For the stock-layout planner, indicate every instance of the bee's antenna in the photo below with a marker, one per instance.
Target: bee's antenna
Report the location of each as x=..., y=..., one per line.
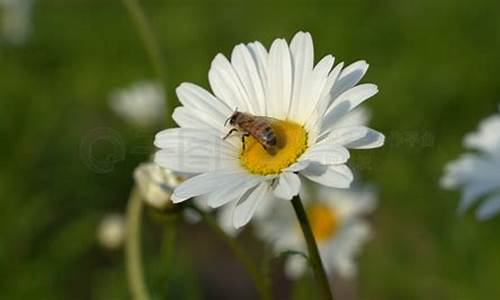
x=229, y=118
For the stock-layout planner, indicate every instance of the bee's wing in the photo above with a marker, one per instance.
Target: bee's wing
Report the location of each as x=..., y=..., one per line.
x=268, y=120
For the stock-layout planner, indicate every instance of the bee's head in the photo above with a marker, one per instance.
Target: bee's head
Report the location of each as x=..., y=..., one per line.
x=232, y=118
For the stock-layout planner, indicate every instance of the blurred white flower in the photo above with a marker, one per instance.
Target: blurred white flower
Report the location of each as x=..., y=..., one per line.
x=156, y=184
x=477, y=173
x=302, y=102
x=111, y=233
x=142, y=103
x=336, y=220
x=15, y=17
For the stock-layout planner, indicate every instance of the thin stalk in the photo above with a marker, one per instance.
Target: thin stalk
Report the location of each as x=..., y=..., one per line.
x=169, y=242
x=261, y=283
x=135, y=274
x=312, y=248
x=149, y=40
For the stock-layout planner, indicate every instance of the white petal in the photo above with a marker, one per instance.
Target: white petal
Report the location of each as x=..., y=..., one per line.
x=357, y=117
x=248, y=204
x=473, y=191
x=314, y=121
x=260, y=56
x=326, y=154
x=234, y=190
x=225, y=219
x=227, y=86
x=280, y=79
x=347, y=102
x=489, y=208
x=187, y=118
x=330, y=81
x=194, y=161
x=486, y=138
x=338, y=176
x=246, y=68
x=193, y=151
x=347, y=245
x=470, y=169
x=204, y=184
x=349, y=77
x=317, y=81
x=199, y=100
x=196, y=119
x=297, y=166
x=189, y=137
x=302, y=52
x=356, y=137
x=288, y=186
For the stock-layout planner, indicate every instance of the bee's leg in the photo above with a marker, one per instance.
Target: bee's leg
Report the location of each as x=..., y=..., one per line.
x=243, y=136
x=229, y=133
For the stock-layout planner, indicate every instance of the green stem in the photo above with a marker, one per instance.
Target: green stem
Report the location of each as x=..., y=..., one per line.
x=312, y=248
x=261, y=283
x=133, y=248
x=149, y=40
x=169, y=242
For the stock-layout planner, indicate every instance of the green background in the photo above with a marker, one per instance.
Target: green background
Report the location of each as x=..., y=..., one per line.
x=435, y=63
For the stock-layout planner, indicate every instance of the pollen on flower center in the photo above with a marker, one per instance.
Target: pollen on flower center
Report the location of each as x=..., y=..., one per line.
x=291, y=143
x=324, y=221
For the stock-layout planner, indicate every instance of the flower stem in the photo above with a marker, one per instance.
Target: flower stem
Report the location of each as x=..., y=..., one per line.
x=261, y=283
x=149, y=40
x=169, y=242
x=312, y=248
x=133, y=248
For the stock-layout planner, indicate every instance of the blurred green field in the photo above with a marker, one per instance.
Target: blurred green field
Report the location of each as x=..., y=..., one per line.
x=435, y=63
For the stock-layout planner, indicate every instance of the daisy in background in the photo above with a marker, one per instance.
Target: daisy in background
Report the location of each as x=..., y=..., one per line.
x=156, y=184
x=15, y=18
x=142, y=103
x=336, y=218
x=302, y=103
x=477, y=173
x=111, y=233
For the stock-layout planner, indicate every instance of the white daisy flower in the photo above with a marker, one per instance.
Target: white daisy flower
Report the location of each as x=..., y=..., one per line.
x=111, y=232
x=142, y=103
x=299, y=100
x=336, y=221
x=477, y=174
x=156, y=184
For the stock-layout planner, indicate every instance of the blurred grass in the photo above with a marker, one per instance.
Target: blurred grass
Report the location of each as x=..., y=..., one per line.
x=435, y=63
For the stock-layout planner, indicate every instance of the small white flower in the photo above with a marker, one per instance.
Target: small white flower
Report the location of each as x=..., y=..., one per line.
x=478, y=173
x=156, y=184
x=336, y=221
x=111, y=232
x=15, y=16
x=142, y=103
x=304, y=102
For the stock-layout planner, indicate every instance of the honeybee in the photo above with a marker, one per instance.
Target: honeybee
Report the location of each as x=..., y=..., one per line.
x=258, y=127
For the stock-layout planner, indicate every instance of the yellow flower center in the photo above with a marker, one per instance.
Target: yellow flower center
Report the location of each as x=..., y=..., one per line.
x=324, y=221
x=291, y=142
